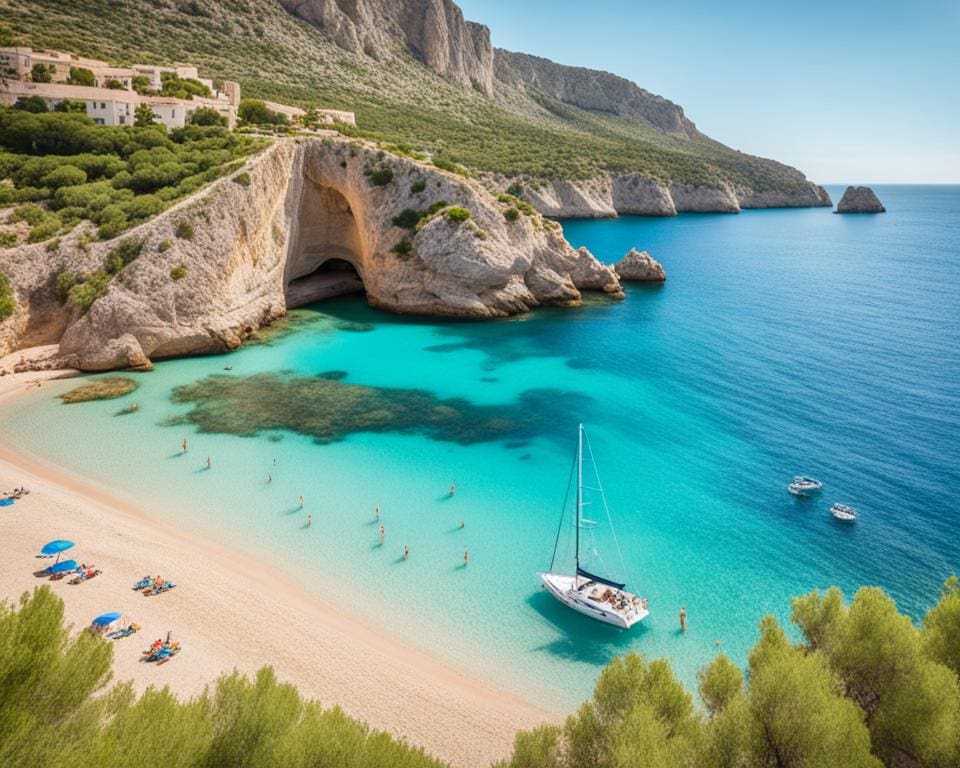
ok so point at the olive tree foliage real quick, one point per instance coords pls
(864, 688)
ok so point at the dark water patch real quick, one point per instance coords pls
(101, 389)
(332, 375)
(353, 326)
(295, 321)
(328, 410)
(489, 379)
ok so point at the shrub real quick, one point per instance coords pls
(114, 85)
(515, 189)
(256, 112)
(64, 176)
(125, 252)
(178, 272)
(143, 116)
(164, 245)
(8, 301)
(8, 239)
(380, 177)
(30, 213)
(242, 178)
(85, 293)
(206, 116)
(71, 105)
(408, 218)
(403, 248)
(47, 228)
(65, 280)
(511, 214)
(184, 230)
(447, 165)
(80, 76)
(140, 83)
(33, 104)
(41, 73)
(418, 186)
(457, 214)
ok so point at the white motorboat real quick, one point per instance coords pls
(843, 512)
(802, 486)
(595, 596)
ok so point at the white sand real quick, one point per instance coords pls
(232, 613)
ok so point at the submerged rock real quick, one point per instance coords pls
(860, 200)
(641, 267)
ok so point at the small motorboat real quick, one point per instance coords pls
(801, 486)
(843, 512)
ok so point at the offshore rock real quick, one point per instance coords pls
(639, 266)
(860, 200)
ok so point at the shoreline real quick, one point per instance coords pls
(232, 612)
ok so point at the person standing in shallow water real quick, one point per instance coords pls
(453, 489)
(378, 511)
(301, 502)
(466, 558)
(183, 445)
(683, 618)
(406, 551)
(209, 463)
(309, 520)
(381, 533)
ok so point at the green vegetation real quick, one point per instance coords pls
(379, 177)
(164, 245)
(206, 116)
(86, 291)
(178, 272)
(71, 105)
(256, 112)
(101, 389)
(418, 186)
(81, 76)
(408, 218)
(242, 178)
(125, 252)
(56, 709)
(66, 170)
(8, 301)
(184, 230)
(515, 189)
(33, 104)
(8, 239)
(863, 688)
(457, 214)
(143, 116)
(41, 73)
(182, 88)
(403, 248)
(511, 214)
(65, 280)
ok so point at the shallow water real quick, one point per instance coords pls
(784, 342)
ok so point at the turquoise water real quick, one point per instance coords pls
(784, 342)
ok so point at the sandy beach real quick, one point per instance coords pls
(230, 612)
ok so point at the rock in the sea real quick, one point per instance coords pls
(640, 266)
(860, 200)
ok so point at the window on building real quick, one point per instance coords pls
(103, 105)
(123, 119)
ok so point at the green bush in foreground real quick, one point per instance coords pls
(7, 300)
(55, 710)
(457, 214)
(178, 272)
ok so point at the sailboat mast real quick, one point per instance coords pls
(576, 576)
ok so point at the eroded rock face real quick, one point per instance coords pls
(433, 30)
(309, 204)
(860, 200)
(640, 266)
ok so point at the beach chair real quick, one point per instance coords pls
(146, 581)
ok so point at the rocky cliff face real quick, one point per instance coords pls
(641, 267)
(591, 89)
(433, 30)
(256, 249)
(634, 194)
(860, 200)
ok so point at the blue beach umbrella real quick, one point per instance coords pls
(66, 565)
(55, 547)
(105, 619)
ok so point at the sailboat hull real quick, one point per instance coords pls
(586, 600)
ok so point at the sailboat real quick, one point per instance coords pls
(595, 596)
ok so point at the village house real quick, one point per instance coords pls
(111, 98)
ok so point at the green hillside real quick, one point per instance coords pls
(274, 55)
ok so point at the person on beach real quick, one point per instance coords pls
(406, 551)
(466, 558)
(683, 618)
(309, 519)
(209, 463)
(381, 533)
(301, 501)
(183, 445)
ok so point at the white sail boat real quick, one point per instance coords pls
(595, 596)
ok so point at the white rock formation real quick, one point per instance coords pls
(640, 267)
(256, 248)
(860, 200)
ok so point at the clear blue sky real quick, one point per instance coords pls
(849, 91)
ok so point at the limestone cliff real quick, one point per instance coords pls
(612, 195)
(432, 30)
(860, 200)
(256, 250)
(592, 90)
(641, 267)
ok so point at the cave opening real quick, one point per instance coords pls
(326, 257)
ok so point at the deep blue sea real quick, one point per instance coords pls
(783, 342)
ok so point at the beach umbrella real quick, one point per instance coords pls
(105, 619)
(55, 547)
(66, 565)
